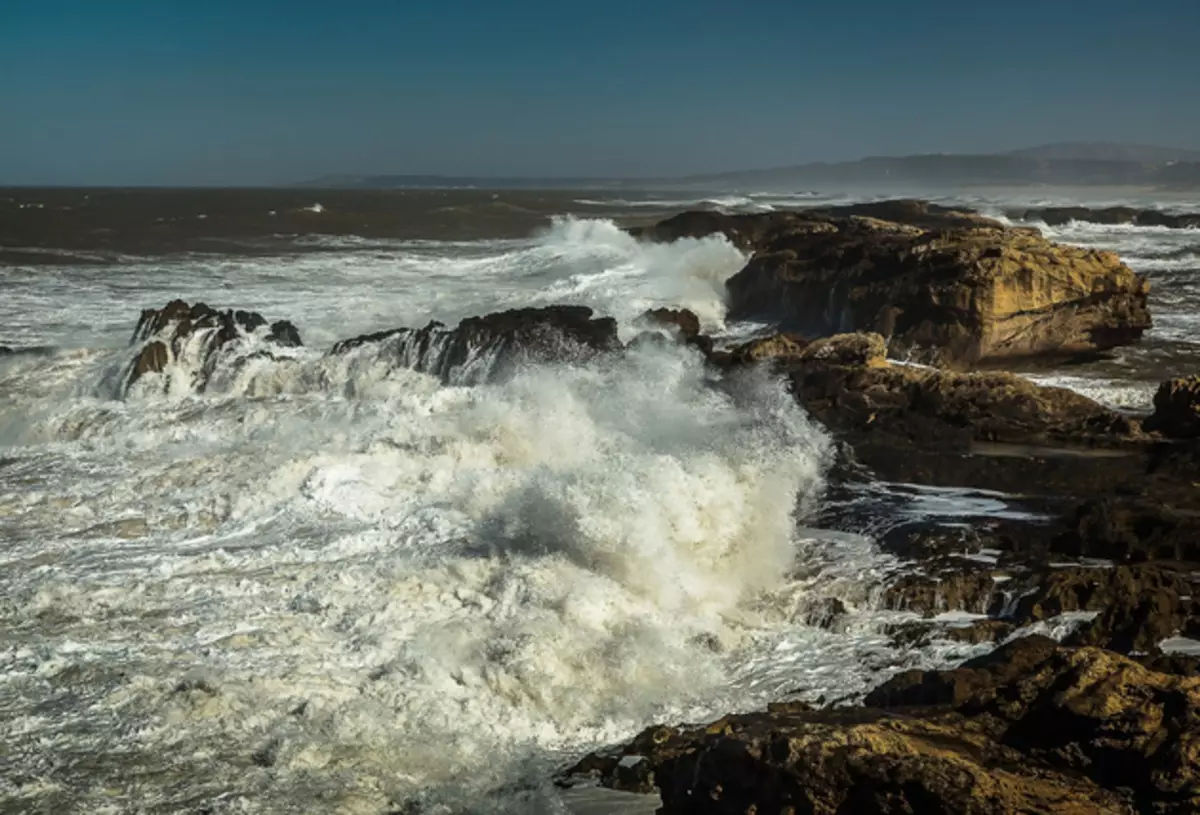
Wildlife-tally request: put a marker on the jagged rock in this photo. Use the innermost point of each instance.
(683, 320)
(165, 331)
(956, 297)
(1131, 529)
(914, 212)
(847, 383)
(481, 349)
(1177, 408)
(922, 633)
(1057, 216)
(749, 231)
(1032, 727)
(961, 586)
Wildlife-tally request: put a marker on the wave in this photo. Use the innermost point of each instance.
(356, 572)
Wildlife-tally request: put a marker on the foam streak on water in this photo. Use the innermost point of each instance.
(334, 584)
(330, 583)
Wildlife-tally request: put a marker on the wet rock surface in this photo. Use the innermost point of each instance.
(944, 286)
(167, 333)
(487, 348)
(1057, 216)
(1177, 408)
(1031, 727)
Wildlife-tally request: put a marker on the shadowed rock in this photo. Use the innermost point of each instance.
(482, 349)
(1032, 727)
(1057, 216)
(165, 332)
(1177, 408)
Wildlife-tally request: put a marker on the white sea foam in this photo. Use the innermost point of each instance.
(373, 585)
(381, 285)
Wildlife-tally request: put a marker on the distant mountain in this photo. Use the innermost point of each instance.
(1065, 164)
(1107, 151)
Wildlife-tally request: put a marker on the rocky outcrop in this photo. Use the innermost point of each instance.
(201, 332)
(847, 383)
(1136, 607)
(1032, 727)
(488, 348)
(682, 320)
(944, 286)
(1177, 408)
(958, 298)
(1130, 528)
(1057, 216)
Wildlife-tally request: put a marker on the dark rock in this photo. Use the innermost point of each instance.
(1131, 529)
(1177, 408)
(1057, 216)
(922, 633)
(975, 678)
(165, 331)
(683, 320)
(1032, 727)
(482, 349)
(947, 586)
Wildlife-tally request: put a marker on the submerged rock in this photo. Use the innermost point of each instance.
(1032, 727)
(165, 332)
(945, 286)
(1177, 408)
(481, 349)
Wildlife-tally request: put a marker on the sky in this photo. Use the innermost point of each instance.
(254, 92)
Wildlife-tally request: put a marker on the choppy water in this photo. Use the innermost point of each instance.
(328, 584)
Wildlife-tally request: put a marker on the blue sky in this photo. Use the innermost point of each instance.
(253, 92)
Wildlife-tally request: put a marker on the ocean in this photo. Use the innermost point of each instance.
(330, 585)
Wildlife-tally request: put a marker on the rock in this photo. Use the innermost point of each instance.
(1057, 216)
(973, 679)
(683, 320)
(1130, 529)
(743, 231)
(958, 298)
(488, 348)
(940, 587)
(1177, 408)
(5, 351)
(922, 633)
(846, 382)
(683, 323)
(1031, 727)
(164, 333)
(914, 212)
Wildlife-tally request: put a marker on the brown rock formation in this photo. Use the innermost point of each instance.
(958, 297)
(946, 286)
(1032, 727)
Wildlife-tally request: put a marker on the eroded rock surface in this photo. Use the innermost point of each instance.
(481, 349)
(943, 286)
(1032, 727)
(201, 332)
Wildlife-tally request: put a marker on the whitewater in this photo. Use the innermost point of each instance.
(333, 584)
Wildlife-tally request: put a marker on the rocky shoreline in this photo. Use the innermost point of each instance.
(1107, 720)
